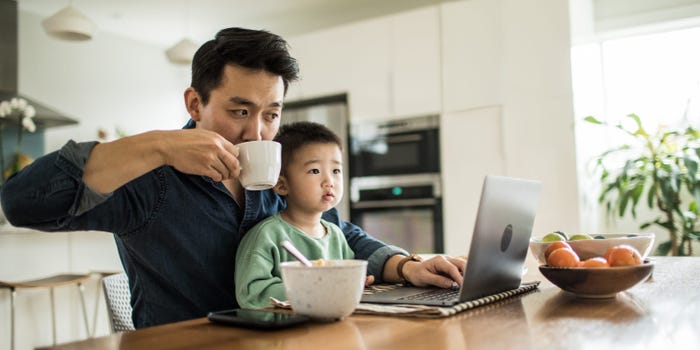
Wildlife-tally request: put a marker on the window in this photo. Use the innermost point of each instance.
(656, 76)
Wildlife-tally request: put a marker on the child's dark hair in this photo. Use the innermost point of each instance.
(293, 136)
(253, 49)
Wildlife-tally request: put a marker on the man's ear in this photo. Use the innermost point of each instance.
(281, 187)
(193, 103)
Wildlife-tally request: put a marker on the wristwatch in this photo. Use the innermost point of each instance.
(399, 267)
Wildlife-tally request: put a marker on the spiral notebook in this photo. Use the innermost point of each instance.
(426, 311)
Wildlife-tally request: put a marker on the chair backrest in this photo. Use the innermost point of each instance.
(118, 297)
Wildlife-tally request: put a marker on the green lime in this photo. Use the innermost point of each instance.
(553, 237)
(599, 237)
(580, 237)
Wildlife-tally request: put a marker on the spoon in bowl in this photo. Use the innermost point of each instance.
(294, 251)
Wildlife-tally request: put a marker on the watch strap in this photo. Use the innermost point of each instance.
(399, 267)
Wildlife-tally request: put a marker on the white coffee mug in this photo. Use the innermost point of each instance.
(260, 164)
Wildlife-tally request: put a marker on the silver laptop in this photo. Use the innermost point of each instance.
(498, 248)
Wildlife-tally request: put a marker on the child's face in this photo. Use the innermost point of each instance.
(313, 180)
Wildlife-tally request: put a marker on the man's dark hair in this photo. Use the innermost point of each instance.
(253, 49)
(294, 136)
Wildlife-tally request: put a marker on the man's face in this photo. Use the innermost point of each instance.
(246, 106)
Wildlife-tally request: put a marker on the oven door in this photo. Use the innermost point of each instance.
(412, 224)
(405, 211)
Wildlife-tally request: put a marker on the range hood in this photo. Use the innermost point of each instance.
(45, 117)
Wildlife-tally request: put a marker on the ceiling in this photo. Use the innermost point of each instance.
(164, 22)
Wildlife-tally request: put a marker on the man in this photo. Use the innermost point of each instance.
(172, 198)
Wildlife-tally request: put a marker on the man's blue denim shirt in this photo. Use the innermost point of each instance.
(176, 234)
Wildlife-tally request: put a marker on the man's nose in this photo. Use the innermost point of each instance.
(252, 130)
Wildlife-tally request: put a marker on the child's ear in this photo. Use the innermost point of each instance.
(281, 186)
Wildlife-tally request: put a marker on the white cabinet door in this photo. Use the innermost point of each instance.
(368, 68)
(471, 147)
(415, 62)
(472, 54)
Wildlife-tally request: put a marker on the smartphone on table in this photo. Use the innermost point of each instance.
(258, 319)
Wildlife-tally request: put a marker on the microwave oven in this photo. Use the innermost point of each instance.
(396, 147)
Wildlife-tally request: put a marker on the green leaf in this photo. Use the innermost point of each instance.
(651, 195)
(691, 164)
(663, 248)
(665, 224)
(640, 129)
(593, 120)
(622, 205)
(636, 193)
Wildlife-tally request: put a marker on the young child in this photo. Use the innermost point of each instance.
(311, 181)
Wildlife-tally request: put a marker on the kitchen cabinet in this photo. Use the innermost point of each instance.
(416, 69)
(390, 67)
(472, 54)
(352, 59)
(471, 148)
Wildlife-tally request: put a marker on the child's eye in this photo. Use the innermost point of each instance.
(314, 171)
(337, 171)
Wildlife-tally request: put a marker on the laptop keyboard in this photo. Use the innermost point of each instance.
(434, 294)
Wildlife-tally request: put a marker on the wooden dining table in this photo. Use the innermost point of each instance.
(661, 313)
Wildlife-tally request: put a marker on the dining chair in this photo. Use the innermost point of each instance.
(99, 294)
(118, 297)
(50, 282)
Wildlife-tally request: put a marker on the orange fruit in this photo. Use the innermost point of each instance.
(594, 262)
(553, 246)
(623, 255)
(563, 257)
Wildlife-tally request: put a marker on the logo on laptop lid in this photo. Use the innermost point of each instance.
(506, 237)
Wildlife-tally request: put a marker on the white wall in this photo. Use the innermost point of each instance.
(107, 82)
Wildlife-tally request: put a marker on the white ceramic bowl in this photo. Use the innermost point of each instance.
(328, 292)
(590, 248)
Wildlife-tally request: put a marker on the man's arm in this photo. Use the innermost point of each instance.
(192, 151)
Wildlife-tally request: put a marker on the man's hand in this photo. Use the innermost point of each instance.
(441, 271)
(203, 152)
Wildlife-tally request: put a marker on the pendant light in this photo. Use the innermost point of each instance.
(69, 24)
(183, 51)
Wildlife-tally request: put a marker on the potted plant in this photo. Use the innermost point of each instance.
(659, 169)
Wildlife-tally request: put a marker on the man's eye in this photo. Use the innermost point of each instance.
(239, 112)
(273, 116)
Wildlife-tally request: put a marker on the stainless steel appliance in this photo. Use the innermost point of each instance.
(403, 210)
(395, 186)
(397, 147)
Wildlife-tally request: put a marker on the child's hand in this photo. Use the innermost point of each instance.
(369, 280)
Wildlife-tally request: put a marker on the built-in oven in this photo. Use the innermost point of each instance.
(401, 210)
(397, 147)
